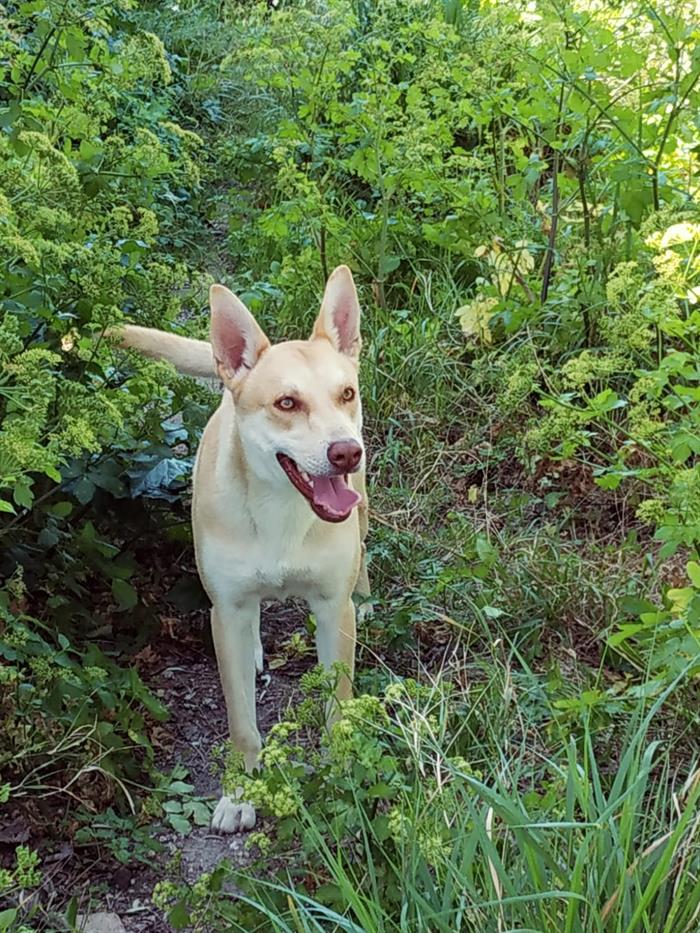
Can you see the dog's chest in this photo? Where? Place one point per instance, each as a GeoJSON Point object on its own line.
{"type": "Point", "coordinates": [281, 556]}
{"type": "Point", "coordinates": [282, 579]}
{"type": "Point", "coordinates": [268, 569]}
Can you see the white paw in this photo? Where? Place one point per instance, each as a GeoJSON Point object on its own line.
{"type": "Point", "coordinates": [365, 611]}
{"type": "Point", "coordinates": [232, 817]}
{"type": "Point", "coordinates": [259, 658]}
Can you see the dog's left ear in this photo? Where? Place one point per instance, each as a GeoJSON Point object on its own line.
{"type": "Point", "coordinates": [339, 318]}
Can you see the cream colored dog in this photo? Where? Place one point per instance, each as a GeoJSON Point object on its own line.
{"type": "Point", "coordinates": [279, 504]}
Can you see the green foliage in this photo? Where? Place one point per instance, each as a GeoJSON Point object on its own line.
{"type": "Point", "coordinates": [392, 828]}
{"type": "Point", "coordinates": [68, 717]}
{"type": "Point", "coordinates": [98, 193]}
{"type": "Point", "coordinates": [515, 188]}
{"type": "Point", "coordinates": [554, 196]}
{"type": "Point", "coordinates": [95, 180]}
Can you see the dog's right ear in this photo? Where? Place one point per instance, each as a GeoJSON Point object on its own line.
{"type": "Point", "coordinates": [236, 338]}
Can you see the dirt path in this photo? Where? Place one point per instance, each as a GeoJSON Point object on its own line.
{"type": "Point", "coordinates": [186, 679]}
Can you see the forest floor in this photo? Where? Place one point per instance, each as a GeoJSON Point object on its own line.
{"type": "Point", "coordinates": [182, 672]}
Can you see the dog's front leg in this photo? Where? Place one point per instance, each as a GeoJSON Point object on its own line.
{"type": "Point", "coordinates": [235, 633]}
{"type": "Point", "coordinates": [335, 641]}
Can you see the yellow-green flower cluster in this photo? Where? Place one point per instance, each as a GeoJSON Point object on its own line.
{"type": "Point", "coordinates": [27, 872]}
{"type": "Point", "coordinates": [260, 841]}
{"type": "Point", "coordinates": [434, 846]}
{"type": "Point", "coordinates": [651, 511]}
{"type": "Point", "coordinates": [589, 367]}
{"type": "Point", "coordinates": [146, 60]}
{"type": "Point", "coordinates": [164, 893]}
{"type": "Point", "coordinates": [280, 802]}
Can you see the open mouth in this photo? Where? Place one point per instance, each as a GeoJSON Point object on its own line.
{"type": "Point", "coordinates": [331, 498]}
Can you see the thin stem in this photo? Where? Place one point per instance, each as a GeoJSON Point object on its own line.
{"type": "Point", "coordinates": [549, 257]}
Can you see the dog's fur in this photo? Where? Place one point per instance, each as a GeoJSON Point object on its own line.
{"type": "Point", "coordinates": [256, 535]}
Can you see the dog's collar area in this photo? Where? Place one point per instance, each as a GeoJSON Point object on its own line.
{"type": "Point", "coordinates": [330, 497]}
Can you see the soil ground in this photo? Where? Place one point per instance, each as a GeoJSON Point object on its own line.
{"type": "Point", "coordinates": [184, 676]}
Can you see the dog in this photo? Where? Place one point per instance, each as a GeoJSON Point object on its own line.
{"type": "Point", "coordinates": [279, 503]}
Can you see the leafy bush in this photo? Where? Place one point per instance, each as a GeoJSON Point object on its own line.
{"type": "Point", "coordinates": [72, 721]}
{"type": "Point", "coordinates": [95, 179]}
{"type": "Point", "coordinates": [98, 187]}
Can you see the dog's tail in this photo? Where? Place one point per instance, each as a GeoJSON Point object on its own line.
{"type": "Point", "coordinates": [188, 356]}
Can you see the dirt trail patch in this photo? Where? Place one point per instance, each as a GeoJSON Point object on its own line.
{"type": "Point", "coordinates": [188, 683]}
{"type": "Point", "coordinates": [184, 676]}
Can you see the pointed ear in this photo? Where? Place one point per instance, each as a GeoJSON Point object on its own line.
{"type": "Point", "coordinates": [237, 341]}
{"type": "Point", "coordinates": [339, 318]}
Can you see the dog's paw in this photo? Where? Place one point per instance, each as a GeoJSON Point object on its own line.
{"type": "Point", "coordinates": [365, 611]}
{"type": "Point", "coordinates": [259, 658]}
{"type": "Point", "coordinates": [232, 816]}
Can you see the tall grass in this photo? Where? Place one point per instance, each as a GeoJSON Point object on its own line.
{"type": "Point", "coordinates": [579, 836]}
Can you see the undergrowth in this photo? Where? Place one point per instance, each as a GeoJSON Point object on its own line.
{"type": "Point", "coordinates": [515, 189]}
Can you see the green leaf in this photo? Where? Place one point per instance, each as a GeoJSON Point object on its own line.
{"type": "Point", "coordinates": [7, 507]}
{"type": "Point", "coordinates": [693, 569]}
{"type": "Point", "coordinates": [179, 916]}
{"type": "Point", "coordinates": [388, 265]}
{"type": "Point", "coordinates": [72, 912]}
{"type": "Point", "coordinates": [180, 787]}
{"type": "Point", "coordinates": [7, 918]}
{"type": "Point", "coordinates": [179, 823]}
{"type": "Point", "coordinates": [125, 594]}
{"type": "Point", "coordinates": [199, 812]}
{"type": "Point", "coordinates": [608, 481]}
{"type": "Point", "coordinates": [22, 493]}
{"type": "Point", "coordinates": [492, 612]}
{"type": "Point", "coordinates": [84, 490]}
{"type": "Point", "coordinates": [61, 509]}
{"type": "Point", "coordinates": [635, 606]}
{"type": "Point", "coordinates": [380, 789]}
{"type": "Point", "coordinates": [172, 806]}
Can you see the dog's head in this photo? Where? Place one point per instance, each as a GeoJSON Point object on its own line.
{"type": "Point", "coordinates": [297, 403]}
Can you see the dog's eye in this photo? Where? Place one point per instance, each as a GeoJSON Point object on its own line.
{"type": "Point", "coordinates": [348, 394]}
{"type": "Point", "coordinates": [287, 403]}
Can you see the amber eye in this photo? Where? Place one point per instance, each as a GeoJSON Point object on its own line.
{"type": "Point", "coordinates": [287, 403]}
{"type": "Point", "coordinates": [348, 394]}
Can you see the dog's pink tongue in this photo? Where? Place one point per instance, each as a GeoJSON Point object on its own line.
{"type": "Point", "coordinates": [332, 492]}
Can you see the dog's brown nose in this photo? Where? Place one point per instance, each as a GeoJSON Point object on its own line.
{"type": "Point", "coordinates": [344, 455]}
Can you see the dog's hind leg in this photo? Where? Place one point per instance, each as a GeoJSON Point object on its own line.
{"type": "Point", "coordinates": [259, 657]}
{"type": "Point", "coordinates": [335, 641]}
{"type": "Point", "coordinates": [235, 633]}
{"type": "Point", "coordinates": [362, 585]}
